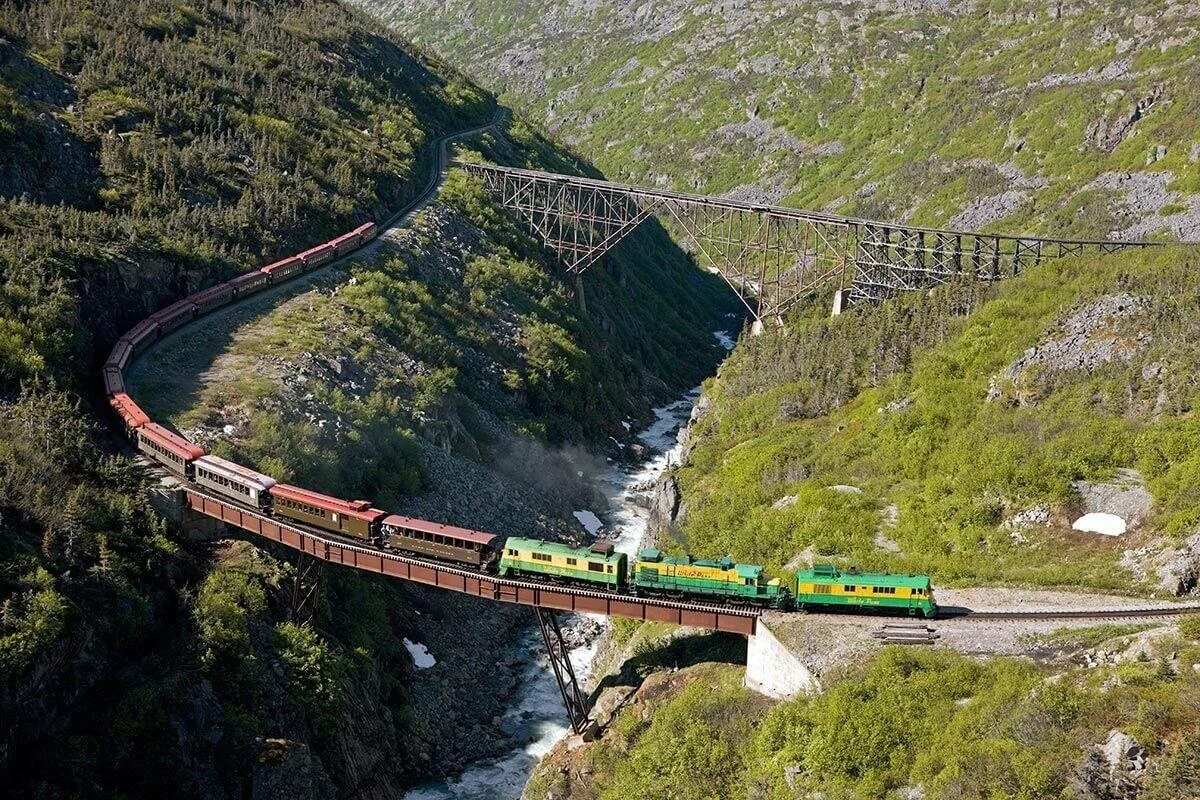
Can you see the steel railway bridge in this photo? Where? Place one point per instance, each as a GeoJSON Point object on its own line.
{"type": "Point", "coordinates": [770, 255]}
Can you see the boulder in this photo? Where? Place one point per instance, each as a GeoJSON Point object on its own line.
{"type": "Point", "coordinates": [1114, 770]}
{"type": "Point", "coordinates": [1126, 498]}
{"type": "Point", "coordinates": [1180, 574]}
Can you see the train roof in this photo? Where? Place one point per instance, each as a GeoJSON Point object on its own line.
{"type": "Point", "coordinates": [248, 277]}
{"type": "Point", "coordinates": [234, 471]}
{"type": "Point", "coordinates": [359, 509]}
{"type": "Point", "coordinates": [520, 543]}
{"type": "Point", "coordinates": [828, 573]}
{"type": "Point", "coordinates": [654, 556]}
{"type": "Point", "coordinates": [211, 291]}
{"type": "Point", "coordinates": [283, 262]}
{"type": "Point", "coordinates": [172, 440]}
{"type": "Point", "coordinates": [173, 310]}
{"type": "Point", "coordinates": [425, 526]}
{"type": "Point", "coordinates": [123, 403]}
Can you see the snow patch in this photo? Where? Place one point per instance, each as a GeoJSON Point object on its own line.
{"type": "Point", "coordinates": [420, 654]}
{"type": "Point", "coordinates": [590, 522]}
{"type": "Point", "coordinates": [1101, 523]}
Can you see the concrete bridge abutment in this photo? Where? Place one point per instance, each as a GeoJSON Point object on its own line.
{"type": "Point", "coordinates": [774, 670]}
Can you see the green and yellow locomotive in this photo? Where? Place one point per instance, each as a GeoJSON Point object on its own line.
{"type": "Point", "coordinates": [655, 574]}
{"type": "Point", "coordinates": [826, 585]}
{"type": "Point", "coordinates": [598, 564]}
{"type": "Point", "coordinates": [739, 584]}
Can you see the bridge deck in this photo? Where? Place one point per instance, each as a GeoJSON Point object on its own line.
{"type": "Point", "coordinates": [363, 556]}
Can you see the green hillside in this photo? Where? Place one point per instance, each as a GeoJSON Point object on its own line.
{"type": "Point", "coordinates": [897, 436]}
{"type": "Point", "coordinates": [148, 150]}
{"type": "Point", "coordinates": [1063, 117]}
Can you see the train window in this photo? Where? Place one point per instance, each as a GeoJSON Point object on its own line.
{"type": "Point", "coordinates": [541, 557]}
{"type": "Point", "coordinates": [572, 562]}
{"type": "Point", "coordinates": [849, 589]}
{"type": "Point", "coordinates": [610, 569]}
{"type": "Point", "coordinates": [594, 567]}
{"type": "Point", "coordinates": [512, 552]}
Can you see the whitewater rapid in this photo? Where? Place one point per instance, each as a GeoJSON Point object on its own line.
{"type": "Point", "coordinates": [538, 720]}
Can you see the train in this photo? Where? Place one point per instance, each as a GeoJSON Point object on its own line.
{"type": "Point", "coordinates": [599, 566]}
{"type": "Point", "coordinates": [655, 574]}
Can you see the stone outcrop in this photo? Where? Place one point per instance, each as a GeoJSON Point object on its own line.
{"type": "Point", "coordinates": [1114, 770]}
{"type": "Point", "coordinates": [1112, 328]}
{"type": "Point", "coordinates": [1179, 569]}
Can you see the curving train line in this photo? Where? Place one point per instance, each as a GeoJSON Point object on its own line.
{"type": "Point", "coordinates": [177, 455]}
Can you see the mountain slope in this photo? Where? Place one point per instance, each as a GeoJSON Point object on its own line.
{"type": "Point", "coordinates": [1070, 118]}
{"type": "Point", "coordinates": [148, 150]}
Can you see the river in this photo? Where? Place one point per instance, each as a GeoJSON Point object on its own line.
{"type": "Point", "coordinates": [538, 720]}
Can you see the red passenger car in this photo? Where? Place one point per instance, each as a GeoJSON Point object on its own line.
{"type": "Point", "coordinates": [142, 335]}
{"type": "Point", "coordinates": [317, 255]}
{"type": "Point", "coordinates": [174, 315]}
{"type": "Point", "coordinates": [249, 282]}
{"type": "Point", "coordinates": [168, 448]}
{"type": "Point", "coordinates": [282, 270]}
{"type": "Point", "coordinates": [440, 541]}
{"type": "Point", "coordinates": [353, 517]}
{"type": "Point", "coordinates": [211, 298]}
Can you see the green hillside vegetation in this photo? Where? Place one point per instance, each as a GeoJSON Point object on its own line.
{"type": "Point", "coordinates": [894, 400]}
{"type": "Point", "coordinates": [953, 726]}
{"type": "Point", "coordinates": [197, 140]}
{"type": "Point", "coordinates": [148, 150]}
{"type": "Point", "coordinates": [501, 334]}
{"type": "Point", "coordinates": [893, 111]}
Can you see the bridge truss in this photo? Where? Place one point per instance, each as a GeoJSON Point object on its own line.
{"type": "Point", "coordinates": [771, 256]}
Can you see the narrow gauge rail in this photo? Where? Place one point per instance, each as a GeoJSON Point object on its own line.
{"type": "Point", "coordinates": [1099, 613]}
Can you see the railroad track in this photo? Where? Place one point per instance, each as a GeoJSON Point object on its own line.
{"type": "Point", "coordinates": [1052, 614]}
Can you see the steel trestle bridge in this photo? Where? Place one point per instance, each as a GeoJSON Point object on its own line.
{"type": "Point", "coordinates": [770, 255]}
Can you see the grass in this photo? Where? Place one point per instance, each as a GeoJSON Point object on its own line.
{"type": "Point", "coordinates": [906, 717]}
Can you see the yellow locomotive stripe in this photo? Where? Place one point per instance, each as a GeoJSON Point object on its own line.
{"type": "Point", "coordinates": [694, 572]}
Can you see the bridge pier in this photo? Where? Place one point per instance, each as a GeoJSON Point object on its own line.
{"type": "Point", "coordinates": [306, 588]}
{"type": "Point", "coordinates": [169, 500]}
{"type": "Point", "coordinates": [573, 697]}
{"type": "Point", "coordinates": [773, 670]}
{"type": "Point", "coordinates": [839, 299]}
